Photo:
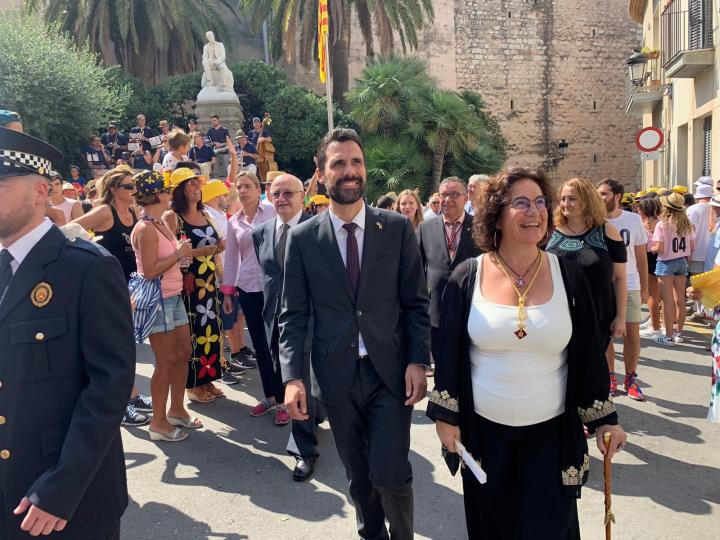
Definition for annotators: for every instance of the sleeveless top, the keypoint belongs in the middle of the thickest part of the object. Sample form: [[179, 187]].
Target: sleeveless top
[[116, 240], [171, 283], [595, 253], [66, 208]]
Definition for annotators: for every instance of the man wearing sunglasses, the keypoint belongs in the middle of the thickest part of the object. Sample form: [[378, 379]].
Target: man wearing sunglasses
[[286, 193], [62, 469]]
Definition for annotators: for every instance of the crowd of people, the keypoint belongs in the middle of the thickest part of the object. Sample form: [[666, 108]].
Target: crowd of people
[[508, 292]]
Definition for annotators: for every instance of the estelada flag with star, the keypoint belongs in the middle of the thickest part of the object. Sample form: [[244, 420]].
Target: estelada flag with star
[[323, 32]]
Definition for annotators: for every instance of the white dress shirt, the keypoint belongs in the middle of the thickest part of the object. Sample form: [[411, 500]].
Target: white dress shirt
[[341, 236], [22, 246], [292, 222]]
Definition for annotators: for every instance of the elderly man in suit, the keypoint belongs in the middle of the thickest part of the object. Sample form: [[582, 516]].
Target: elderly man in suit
[[358, 270], [445, 242], [270, 239], [67, 366]]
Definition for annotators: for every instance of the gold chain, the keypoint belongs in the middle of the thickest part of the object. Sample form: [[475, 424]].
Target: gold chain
[[521, 331]]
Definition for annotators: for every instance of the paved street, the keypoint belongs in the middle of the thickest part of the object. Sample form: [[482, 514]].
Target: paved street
[[232, 479]]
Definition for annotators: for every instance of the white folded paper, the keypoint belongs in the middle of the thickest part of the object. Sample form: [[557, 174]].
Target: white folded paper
[[471, 463]]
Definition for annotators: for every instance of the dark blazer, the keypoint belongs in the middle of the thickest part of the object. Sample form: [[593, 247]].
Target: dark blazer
[[264, 241], [436, 258], [390, 310], [66, 372]]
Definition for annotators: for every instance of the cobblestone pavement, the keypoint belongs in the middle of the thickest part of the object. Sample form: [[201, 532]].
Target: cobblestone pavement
[[232, 480]]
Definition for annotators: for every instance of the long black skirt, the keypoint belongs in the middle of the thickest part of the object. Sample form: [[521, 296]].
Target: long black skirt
[[523, 498]]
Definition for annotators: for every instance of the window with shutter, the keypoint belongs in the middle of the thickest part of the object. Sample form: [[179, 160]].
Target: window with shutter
[[707, 145], [700, 24]]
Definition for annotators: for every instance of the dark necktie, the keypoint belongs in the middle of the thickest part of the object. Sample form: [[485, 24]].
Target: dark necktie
[[280, 248], [6, 272], [352, 257]]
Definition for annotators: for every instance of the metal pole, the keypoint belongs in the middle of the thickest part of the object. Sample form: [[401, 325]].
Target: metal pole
[[328, 85]]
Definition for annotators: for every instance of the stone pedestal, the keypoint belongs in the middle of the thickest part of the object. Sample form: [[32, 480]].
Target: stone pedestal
[[225, 104]]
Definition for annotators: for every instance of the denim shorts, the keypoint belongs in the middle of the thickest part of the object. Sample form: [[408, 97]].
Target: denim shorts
[[673, 267], [175, 315], [228, 319]]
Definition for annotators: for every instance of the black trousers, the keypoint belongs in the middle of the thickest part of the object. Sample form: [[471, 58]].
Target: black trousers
[[252, 306], [523, 498], [372, 436], [303, 441]]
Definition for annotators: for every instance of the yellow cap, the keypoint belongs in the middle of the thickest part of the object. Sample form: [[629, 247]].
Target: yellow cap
[[663, 191], [626, 198], [214, 188], [319, 199], [652, 189], [180, 175], [682, 190]]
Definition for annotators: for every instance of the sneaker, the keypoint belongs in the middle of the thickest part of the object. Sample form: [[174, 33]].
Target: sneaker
[[632, 388], [133, 418], [141, 403], [243, 362], [697, 317], [649, 332], [235, 369], [677, 337], [645, 324], [613, 384], [228, 378], [662, 339], [263, 407], [247, 351], [281, 415]]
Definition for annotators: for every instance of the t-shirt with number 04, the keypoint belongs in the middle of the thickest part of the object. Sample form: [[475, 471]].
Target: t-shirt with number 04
[[674, 245], [632, 231]]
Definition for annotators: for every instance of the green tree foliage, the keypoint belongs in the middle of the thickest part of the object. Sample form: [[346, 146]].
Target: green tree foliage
[[255, 83], [149, 38], [396, 98], [394, 164], [59, 89]]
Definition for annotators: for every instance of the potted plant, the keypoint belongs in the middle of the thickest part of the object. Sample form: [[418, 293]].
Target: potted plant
[[650, 54]]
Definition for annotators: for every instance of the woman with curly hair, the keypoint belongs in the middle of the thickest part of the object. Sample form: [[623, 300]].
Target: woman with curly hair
[[521, 368]]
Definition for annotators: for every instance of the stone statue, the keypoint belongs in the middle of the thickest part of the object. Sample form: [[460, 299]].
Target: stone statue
[[216, 73]]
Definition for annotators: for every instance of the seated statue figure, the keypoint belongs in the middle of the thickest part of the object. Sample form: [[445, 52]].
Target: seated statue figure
[[216, 73]]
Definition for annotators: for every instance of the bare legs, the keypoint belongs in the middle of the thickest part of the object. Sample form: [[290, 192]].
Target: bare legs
[[654, 301]]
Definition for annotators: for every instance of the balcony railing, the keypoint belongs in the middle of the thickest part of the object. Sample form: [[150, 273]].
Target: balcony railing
[[644, 98], [686, 30]]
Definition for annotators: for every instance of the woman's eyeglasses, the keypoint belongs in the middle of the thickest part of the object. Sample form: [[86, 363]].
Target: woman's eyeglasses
[[522, 204], [127, 187]]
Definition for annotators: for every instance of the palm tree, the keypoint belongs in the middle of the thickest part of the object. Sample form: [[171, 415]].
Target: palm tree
[[382, 95], [150, 39], [394, 164], [295, 22], [447, 124]]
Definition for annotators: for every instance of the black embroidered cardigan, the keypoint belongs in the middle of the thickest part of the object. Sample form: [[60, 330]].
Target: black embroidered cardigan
[[586, 398]]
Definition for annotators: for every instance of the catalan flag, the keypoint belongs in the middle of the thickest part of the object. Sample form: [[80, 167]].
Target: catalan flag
[[323, 32]]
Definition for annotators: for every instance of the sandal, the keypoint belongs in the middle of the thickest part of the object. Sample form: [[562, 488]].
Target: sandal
[[193, 395], [214, 390], [176, 435], [187, 422]]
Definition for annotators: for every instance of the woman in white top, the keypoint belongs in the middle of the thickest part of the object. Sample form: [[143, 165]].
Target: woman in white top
[[521, 370]]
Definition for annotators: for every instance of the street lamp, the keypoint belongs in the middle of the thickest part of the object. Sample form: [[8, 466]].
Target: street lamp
[[637, 62], [563, 147]]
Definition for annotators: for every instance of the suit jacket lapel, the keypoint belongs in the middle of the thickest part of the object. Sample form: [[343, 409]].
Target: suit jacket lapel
[[270, 232], [465, 237], [442, 240], [32, 271], [331, 254], [372, 245]]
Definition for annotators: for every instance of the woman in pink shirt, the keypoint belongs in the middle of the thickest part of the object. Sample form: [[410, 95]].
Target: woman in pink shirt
[[673, 242], [158, 254], [242, 282]]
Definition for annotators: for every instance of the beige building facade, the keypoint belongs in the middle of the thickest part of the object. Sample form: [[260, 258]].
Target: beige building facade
[[678, 92]]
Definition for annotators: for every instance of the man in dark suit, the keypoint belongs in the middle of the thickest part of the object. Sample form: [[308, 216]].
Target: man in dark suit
[[358, 270], [445, 242], [67, 366], [270, 240]]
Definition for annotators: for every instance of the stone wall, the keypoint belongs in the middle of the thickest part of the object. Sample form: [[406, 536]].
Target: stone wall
[[552, 70]]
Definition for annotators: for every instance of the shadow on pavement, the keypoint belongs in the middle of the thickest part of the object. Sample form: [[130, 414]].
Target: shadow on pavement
[[155, 520], [638, 423]]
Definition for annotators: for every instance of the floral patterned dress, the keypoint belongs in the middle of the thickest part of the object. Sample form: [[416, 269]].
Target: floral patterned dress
[[714, 411], [203, 308]]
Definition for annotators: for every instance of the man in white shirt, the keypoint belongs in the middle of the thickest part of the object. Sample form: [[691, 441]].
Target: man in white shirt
[[472, 185], [633, 233], [702, 218]]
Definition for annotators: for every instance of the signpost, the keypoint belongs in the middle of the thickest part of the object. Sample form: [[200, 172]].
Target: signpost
[[649, 139]]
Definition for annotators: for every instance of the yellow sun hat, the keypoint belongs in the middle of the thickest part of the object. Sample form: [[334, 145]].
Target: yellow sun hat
[[682, 190], [178, 176], [214, 188]]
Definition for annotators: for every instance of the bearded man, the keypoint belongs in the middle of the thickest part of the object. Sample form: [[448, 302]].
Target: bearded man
[[357, 269]]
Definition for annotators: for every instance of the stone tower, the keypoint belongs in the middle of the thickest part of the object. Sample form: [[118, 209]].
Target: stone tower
[[552, 70]]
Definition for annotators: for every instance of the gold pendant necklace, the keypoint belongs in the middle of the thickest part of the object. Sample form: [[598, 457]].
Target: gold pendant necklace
[[521, 331]]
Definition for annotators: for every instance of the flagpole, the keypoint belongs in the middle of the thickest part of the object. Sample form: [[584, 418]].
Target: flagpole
[[328, 86]]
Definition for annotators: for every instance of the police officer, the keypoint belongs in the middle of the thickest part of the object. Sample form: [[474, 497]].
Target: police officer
[[67, 363]]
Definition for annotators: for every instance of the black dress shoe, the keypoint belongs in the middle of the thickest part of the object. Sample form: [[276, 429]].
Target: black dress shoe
[[304, 469]]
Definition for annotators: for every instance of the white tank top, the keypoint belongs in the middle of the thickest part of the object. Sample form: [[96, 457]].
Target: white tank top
[[66, 206], [519, 382]]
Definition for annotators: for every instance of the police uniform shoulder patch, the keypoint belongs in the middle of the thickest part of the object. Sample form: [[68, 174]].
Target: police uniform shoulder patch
[[41, 294], [91, 247]]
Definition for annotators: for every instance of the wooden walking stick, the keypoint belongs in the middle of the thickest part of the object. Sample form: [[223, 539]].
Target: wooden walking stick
[[609, 517]]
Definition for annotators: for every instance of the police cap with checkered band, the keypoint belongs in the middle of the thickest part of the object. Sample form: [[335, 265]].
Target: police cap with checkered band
[[22, 154]]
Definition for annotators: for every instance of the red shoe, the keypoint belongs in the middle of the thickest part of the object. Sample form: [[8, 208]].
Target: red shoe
[[281, 415], [632, 388], [263, 407], [613, 384]]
